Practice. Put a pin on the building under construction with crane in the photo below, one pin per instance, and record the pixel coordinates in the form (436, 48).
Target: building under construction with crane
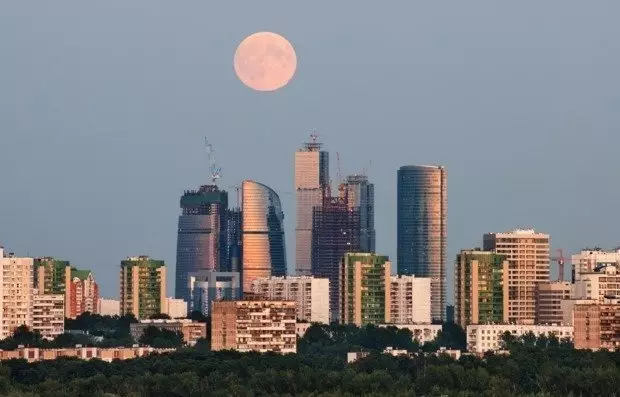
(208, 233)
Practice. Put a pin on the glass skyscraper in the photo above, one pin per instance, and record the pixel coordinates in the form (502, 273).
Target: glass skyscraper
(361, 195)
(201, 242)
(311, 178)
(422, 229)
(263, 242)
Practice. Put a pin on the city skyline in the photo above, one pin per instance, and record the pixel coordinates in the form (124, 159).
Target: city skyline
(518, 118)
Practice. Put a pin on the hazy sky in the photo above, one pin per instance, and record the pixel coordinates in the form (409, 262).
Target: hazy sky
(104, 106)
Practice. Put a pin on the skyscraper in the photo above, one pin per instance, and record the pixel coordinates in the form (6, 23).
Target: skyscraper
(361, 194)
(335, 231)
(264, 251)
(200, 245)
(422, 230)
(527, 253)
(311, 177)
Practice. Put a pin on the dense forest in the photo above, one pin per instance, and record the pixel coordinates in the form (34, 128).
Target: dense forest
(535, 367)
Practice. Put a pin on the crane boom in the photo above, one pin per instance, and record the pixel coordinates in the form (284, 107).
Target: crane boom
(214, 170)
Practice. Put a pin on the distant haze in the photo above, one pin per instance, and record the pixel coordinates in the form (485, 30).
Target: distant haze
(104, 106)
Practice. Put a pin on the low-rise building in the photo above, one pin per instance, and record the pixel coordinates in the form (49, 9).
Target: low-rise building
(597, 325)
(549, 297)
(191, 330)
(254, 325)
(34, 354)
(422, 333)
(488, 337)
(355, 356)
(410, 300)
(310, 293)
(48, 314)
(176, 308)
(108, 307)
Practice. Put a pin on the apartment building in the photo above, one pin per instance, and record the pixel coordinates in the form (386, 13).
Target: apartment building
(191, 330)
(488, 337)
(48, 314)
(597, 324)
(591, 260)
(175, 308)
(602, 284)
(108, 307)
(34, 354)
(527, 253)
(410, 300)
(549, 297)
(142, 286)
(311, 295)
(16, 298)
(254, 325)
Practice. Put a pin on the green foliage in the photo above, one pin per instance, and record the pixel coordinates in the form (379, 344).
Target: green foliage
(161, 338)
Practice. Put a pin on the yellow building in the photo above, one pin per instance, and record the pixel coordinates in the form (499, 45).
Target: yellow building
(142, 286)
(16, 298)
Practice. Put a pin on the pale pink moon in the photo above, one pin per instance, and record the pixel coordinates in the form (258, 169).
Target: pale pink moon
(265, 61)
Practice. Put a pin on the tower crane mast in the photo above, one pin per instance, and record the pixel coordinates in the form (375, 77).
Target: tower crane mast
(214, 170)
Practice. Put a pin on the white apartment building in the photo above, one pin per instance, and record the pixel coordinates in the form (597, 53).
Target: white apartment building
(587, 261)
(599, 285)
(421, 332)
(48, 314)
(410, 300)
(311, 295)
(176, 308)
(108, 307)
(488, 337)
(16, 297)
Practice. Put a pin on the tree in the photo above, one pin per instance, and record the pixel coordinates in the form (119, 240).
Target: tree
(161, 338)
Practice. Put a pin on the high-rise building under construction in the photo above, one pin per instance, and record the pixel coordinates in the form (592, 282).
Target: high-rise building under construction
(361, 195)
(311, 178)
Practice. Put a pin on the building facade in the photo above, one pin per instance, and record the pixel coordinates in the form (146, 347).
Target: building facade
(597, 325)
(175, 308)
(311, 295)
(422, 333)
(254, 325)
(311, 178)
(82, 295)
(16, 297)
(209, 286)
(549, 297)
(335, 231)
(366, 282)
(192, 330)
(480, 288)
(48, 314)
(361, 196)
(422, 229)
(201, 241)
(108, 307)
(142, 287)
(592, 260)
(527, 253)
(488, 337)
(410, 300)
(601, 284)
(264, 252)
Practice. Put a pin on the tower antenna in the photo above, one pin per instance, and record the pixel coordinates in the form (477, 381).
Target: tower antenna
(214, 170)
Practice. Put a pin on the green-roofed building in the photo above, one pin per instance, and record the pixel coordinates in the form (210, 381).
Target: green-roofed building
(142, 286)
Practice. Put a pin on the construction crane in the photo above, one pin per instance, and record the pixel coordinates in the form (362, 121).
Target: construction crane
(339, 173)
(560, 261)
(214, 170)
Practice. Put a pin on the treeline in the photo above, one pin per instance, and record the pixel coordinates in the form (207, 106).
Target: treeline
(535, 367)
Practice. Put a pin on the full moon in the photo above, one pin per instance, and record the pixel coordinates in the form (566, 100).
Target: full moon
(265, 61)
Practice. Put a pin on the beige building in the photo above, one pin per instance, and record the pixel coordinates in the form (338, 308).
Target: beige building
(310, 293)
(191, 330)
(142, 287)
(254, 325)
(422, 333)
(488, 337)
(527, 253)
(34, 354)
(597, 325)
(600, 285)
(549, 297)
(48, 314)
(410, 300)
(365, 292)
(588, 261)
(176, 308)
(16, 297)
(108, 307)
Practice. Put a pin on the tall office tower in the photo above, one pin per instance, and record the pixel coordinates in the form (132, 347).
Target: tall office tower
(335, 231)
(16, 296)
(311, 178)
(310, 293)
(549, 297)
(422, 229)
(366, 282)
(480, 288)
(410, 300)
(199, 244)
(142, 286)
(234, 241)
(361, 194)
(527, 253)
(591, 260)
(264, 251)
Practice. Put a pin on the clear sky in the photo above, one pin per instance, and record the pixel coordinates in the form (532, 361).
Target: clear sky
(104, 106)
